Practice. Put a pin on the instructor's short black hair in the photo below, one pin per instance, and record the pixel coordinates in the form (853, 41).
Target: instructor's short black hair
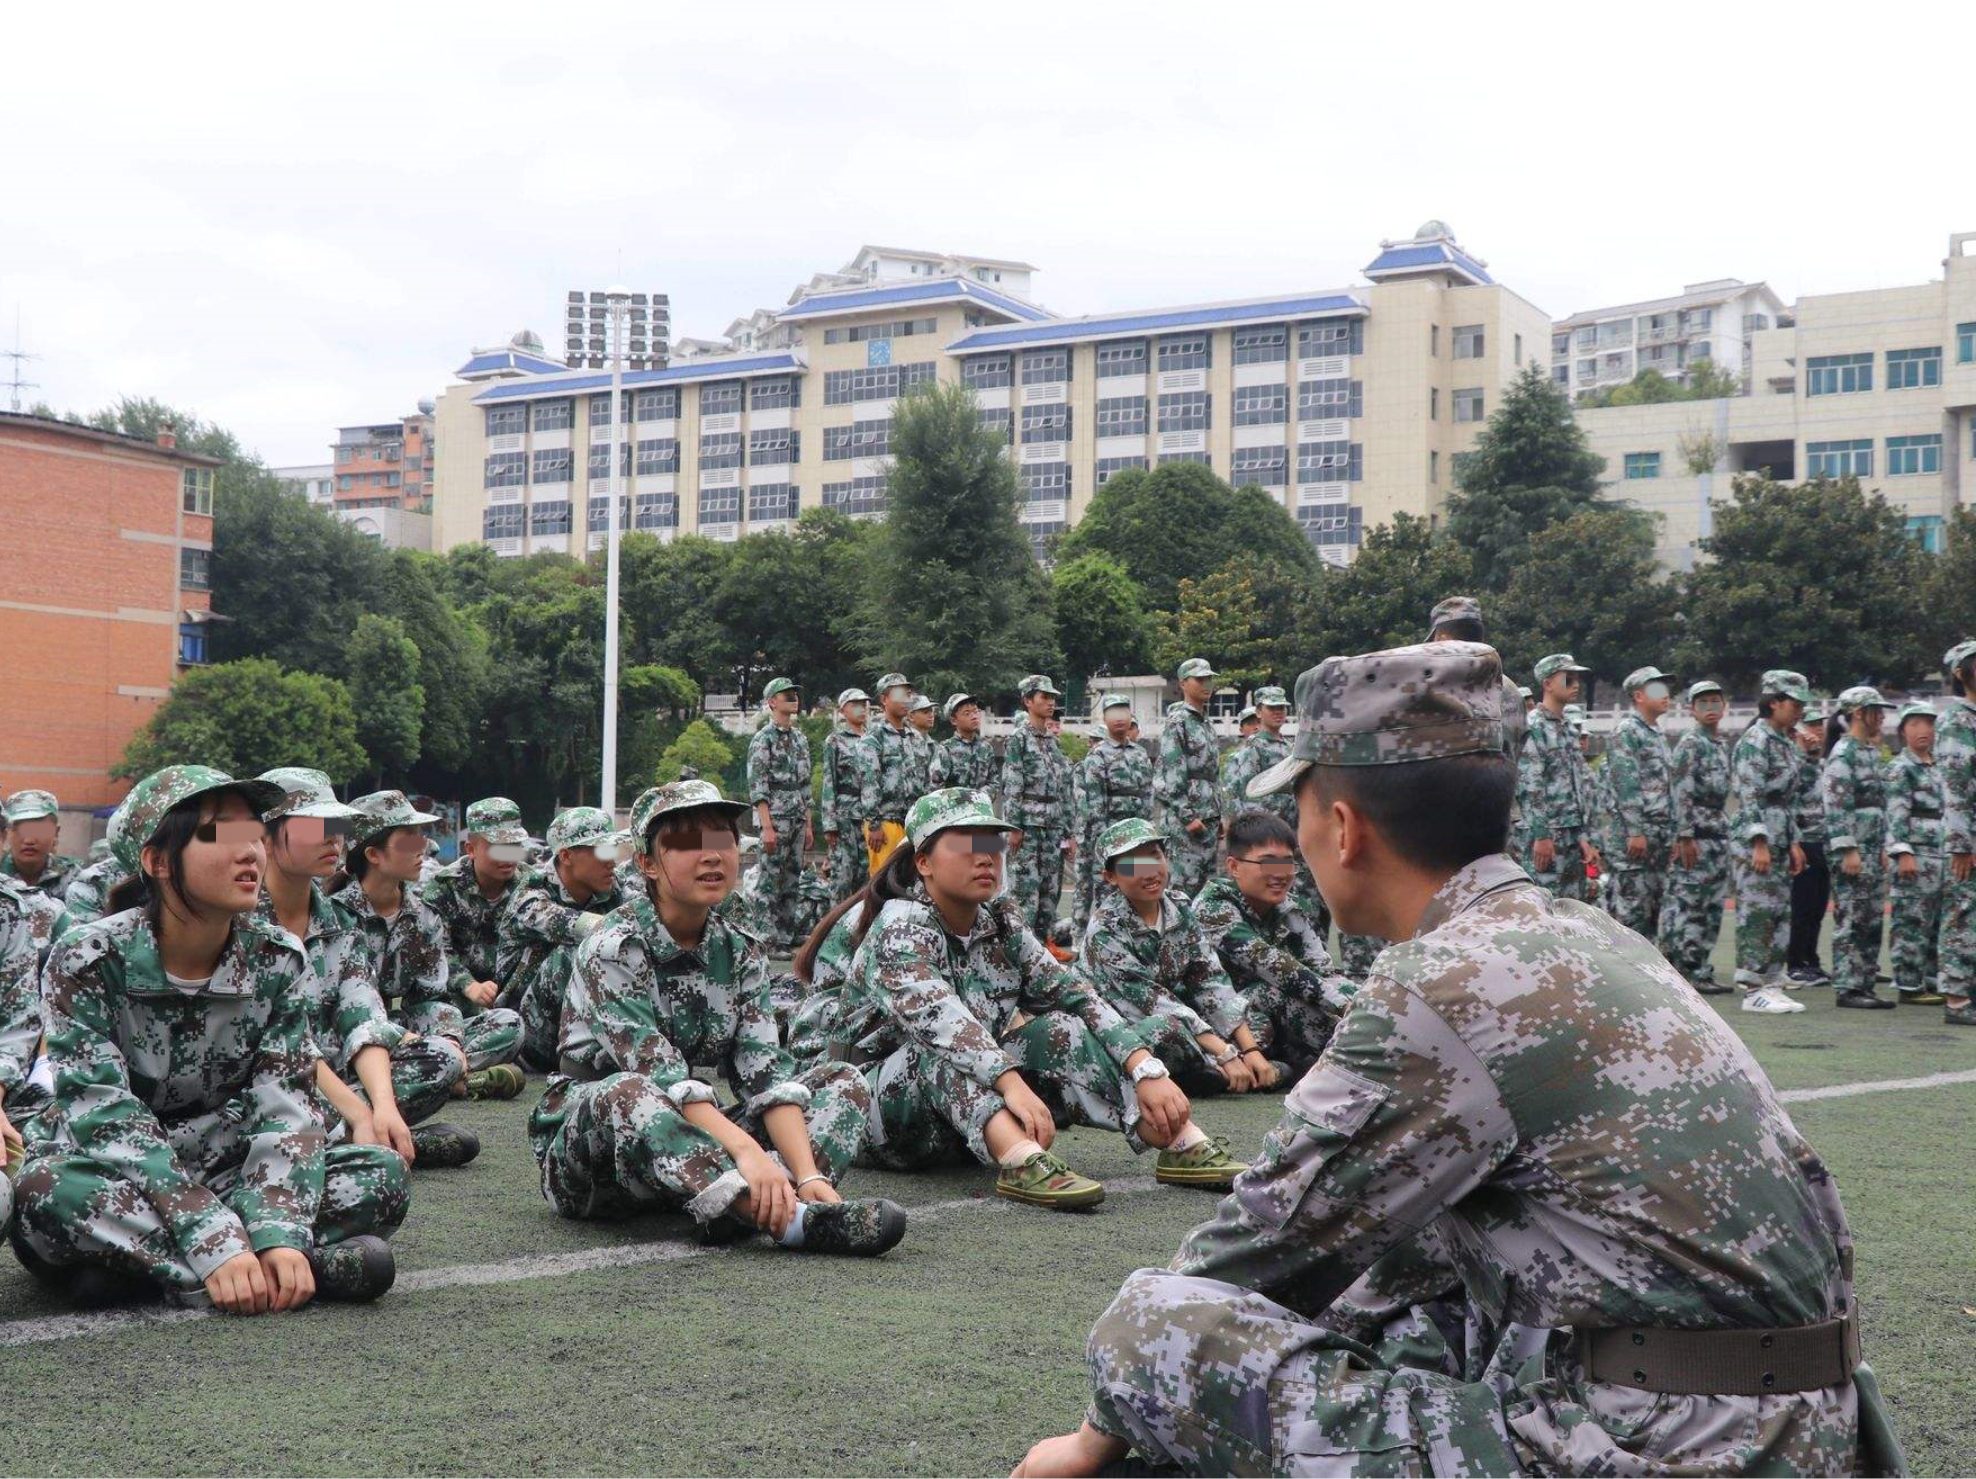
(1433, 813)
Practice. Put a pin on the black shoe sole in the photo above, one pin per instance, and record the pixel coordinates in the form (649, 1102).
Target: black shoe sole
(442, 1159)
(1862, 1001)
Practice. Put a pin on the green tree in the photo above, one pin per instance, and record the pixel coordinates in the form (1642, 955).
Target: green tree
(545, 696)
(658, 690)
(246, 717)
(1949, 603)
(1383, 597)
(1530, 469)
(452, 660)
(954, 597)
(1588, 586)
(384, 686)
(1817, 576)
(1179, 521)
(699, 745)
(783, 601)
(1703, 381)
(143, 417)
(1219, 617)
(1102, 625)
(667, 594)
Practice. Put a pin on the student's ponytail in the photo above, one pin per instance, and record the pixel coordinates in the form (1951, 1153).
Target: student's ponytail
(895, 879)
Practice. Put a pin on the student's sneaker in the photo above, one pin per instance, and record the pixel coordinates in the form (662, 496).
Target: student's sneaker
(1922, 998)
(1766, 1001)
(1709, 986)
(1807, 975)
(1962, 1016)
(862, 1229)
(1207, 1164)
(502, 1081)
(1864, 1000)
(438, 1144)
(88, 1286)
(1045, 1181)
(1751, 981)
(354, 1271)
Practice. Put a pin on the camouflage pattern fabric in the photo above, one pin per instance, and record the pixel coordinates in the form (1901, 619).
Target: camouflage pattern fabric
(414, 977)
(1168, 969)
(1356, 953)
(1249, 760)
(1691, 917)
(933, 1021)
(919, 764)
(183, 1130)
(1766, 778)
(47, 917)
(1639, 776)
(849, 778)
(779, 775)
(1656, 1182)
(1955, 760)
(815, 1017)
(1039, 796)
(1853, 790)
(1278, 962)
(20, 991)
(472, 923)
(887, 780)
(1114, 782)
(969, 763)
(88, 893)
(1187, 785)
(56, 874)
(641, 1011)
(1914, 828)
(540, 931)
(1555, 794)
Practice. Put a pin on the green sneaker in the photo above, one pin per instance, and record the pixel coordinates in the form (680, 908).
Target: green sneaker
(502, 1081)
(438, 1144)
(1962, 1016)
(354, 1271)
(1045, 1181)
(1207, 1164)
(862, 1229)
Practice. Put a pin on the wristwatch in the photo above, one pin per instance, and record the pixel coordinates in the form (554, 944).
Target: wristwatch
(1151, 1068)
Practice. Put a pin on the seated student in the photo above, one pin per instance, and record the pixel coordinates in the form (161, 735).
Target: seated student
(470, 894)
(819, 970)
(1272, 950)
(666, 983)
(1658, 1268)
(1148, 958)
(33, 820)
(963, 1023)
(181, 1150)
(379, 1080)
(408, 944)
(20, 1029)
(547, 919)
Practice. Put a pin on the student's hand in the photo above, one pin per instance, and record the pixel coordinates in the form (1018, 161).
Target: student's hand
(1543, 852)
(1265, 1071)
(1028, 1111)
(818, 1191)
(1241, 1078)
(829, 841)
(1196, 827)
(1849, 864)
(1636, 848)
(1908, 867)
(239, 1286)
(1070, 849)
(1163, 1109)
(388, 1128)
(1798, 863)
(291, 1282)
(11, 1143)
(769, 834)
(1590, 854)
(771, 1199)
(1015, 841)
(1760, 857)
(809, 837)
(1961, 865)
(482, 993)
(875, 835)
(1083, 1452)
(1687, 852)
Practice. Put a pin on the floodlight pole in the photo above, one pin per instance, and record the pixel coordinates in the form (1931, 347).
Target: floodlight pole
(618, 298)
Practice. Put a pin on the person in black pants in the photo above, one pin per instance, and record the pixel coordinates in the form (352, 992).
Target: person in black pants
(1811, 890)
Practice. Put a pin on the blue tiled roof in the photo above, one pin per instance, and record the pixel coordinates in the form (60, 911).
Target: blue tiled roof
(508, 359)
(701, 369)
(1429, 254)
(927, 290)
(1061, 330)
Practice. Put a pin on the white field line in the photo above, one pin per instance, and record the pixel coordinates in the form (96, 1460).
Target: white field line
(1879, 1086)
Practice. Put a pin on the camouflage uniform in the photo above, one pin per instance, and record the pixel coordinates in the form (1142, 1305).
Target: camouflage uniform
(970, 763)
(88, 895)
(1586, 1141)
(919, 763)
(472, 924)
(183, 1130)
(1165, 979)
(1955, 762)
(779, 774)
(1914, 827)
(1853, 789)
(1638, 775)
(849, 779)
(1691, 919)
(56, 874)
(609, 1135)
(20, 1016)
(540, 932)
(932, 1021)
(1188, 785)
(888, 780)
(1554, 788)
(1356, 953)
(1038, 795)
(815, 1016)
(1115, 781)
(1278, 961)
(1766, 770)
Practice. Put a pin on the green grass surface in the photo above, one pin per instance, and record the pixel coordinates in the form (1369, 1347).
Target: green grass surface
(947, 1356)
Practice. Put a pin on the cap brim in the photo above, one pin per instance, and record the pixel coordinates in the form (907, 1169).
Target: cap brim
(735, 809)
(971, 824)
(327, 809)
(1280, 777)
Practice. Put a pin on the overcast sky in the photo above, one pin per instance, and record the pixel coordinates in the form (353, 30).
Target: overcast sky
(290, 220)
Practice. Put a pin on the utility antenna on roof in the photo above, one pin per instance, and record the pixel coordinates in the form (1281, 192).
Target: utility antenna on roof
(19, 358)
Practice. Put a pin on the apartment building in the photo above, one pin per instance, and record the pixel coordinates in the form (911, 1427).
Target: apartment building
(1879, 384)
(386, 465)
(110, 606)
(315, 482)
(1713, 321)
(1349, 404)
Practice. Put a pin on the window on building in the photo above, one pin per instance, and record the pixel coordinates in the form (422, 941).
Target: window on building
(1106, 466)
(897, 329)
(1329, 462)
(859, 497)
(1330, 336)
(720, 449)
(1434, 340)
(722, 399)
(657, 456)
(1122, 416)
(599, 467)
(1332, 523)
(549, 517)
(1433, 403)
(1468, 341)
(997, 419)
(1913, 369)
(861, 439)
(720, 506)
(985, 371)
(1698, 320)
(1127, 357)
(655, 511)
(1185, 410)
(1926, 531)
(770, 503)
(1965, 344)
(1468, 406)
(1045, 482)
(554, 415)
(598, 520)
(195, 486)
(1046, 423)
(600, 409)
(1184, 352)
(1517, 340)
(1853, 459)
(191, 643)
(656, 405)
(502, 521)
(1433, 467)
(1045, 366)
(1263, 467)
(1642, 465)
(1560, 344)
(1838, 374)
(1914, 455)
(506, 421)
(776, 393)
(774, 445)
(1042, 535)
(1261, 405)
(1328, 400)
(195, 569)
(1200, 458)
(1269, 345)
(552, 465)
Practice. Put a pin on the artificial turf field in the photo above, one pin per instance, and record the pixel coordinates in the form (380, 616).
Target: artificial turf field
(516, 1342)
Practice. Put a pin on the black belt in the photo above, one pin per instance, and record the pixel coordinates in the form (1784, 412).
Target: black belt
(1724, 1363)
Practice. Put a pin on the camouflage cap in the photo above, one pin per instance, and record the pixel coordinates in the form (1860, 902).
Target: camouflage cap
(580, 826)
(1861, 696)
(853, 696)
(920, 702)
(1558, 662)
(27, 806)
(1121, 837)
(1453, 608)
(660, 801)
(1037, 683)
(99, 849)
(1271, 697)
(1524, 691)
(955, 702)
(497, 819)
(956, 806)
(1245, 713)
(1641, 677)
(380, 812)
(1959, 654)
(1915, 710)
(151, 798)
(1787, 684)
(1707, 685)
(1574, 718)
(780, 685)
(893, 680)
(1113, 701)
(1198, 667)
(1425, 702)
(305, 793)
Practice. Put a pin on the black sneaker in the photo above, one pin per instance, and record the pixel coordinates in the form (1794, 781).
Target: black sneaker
(438, 1144)
(1865, 1001)
(862, 1229)
(354, 1271)
(88, 1286)
(1808, 975)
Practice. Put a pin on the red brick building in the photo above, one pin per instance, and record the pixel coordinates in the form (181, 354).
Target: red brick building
(385, 466)
(107, 542)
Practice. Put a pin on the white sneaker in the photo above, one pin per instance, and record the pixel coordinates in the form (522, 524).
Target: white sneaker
(1765, 1000)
